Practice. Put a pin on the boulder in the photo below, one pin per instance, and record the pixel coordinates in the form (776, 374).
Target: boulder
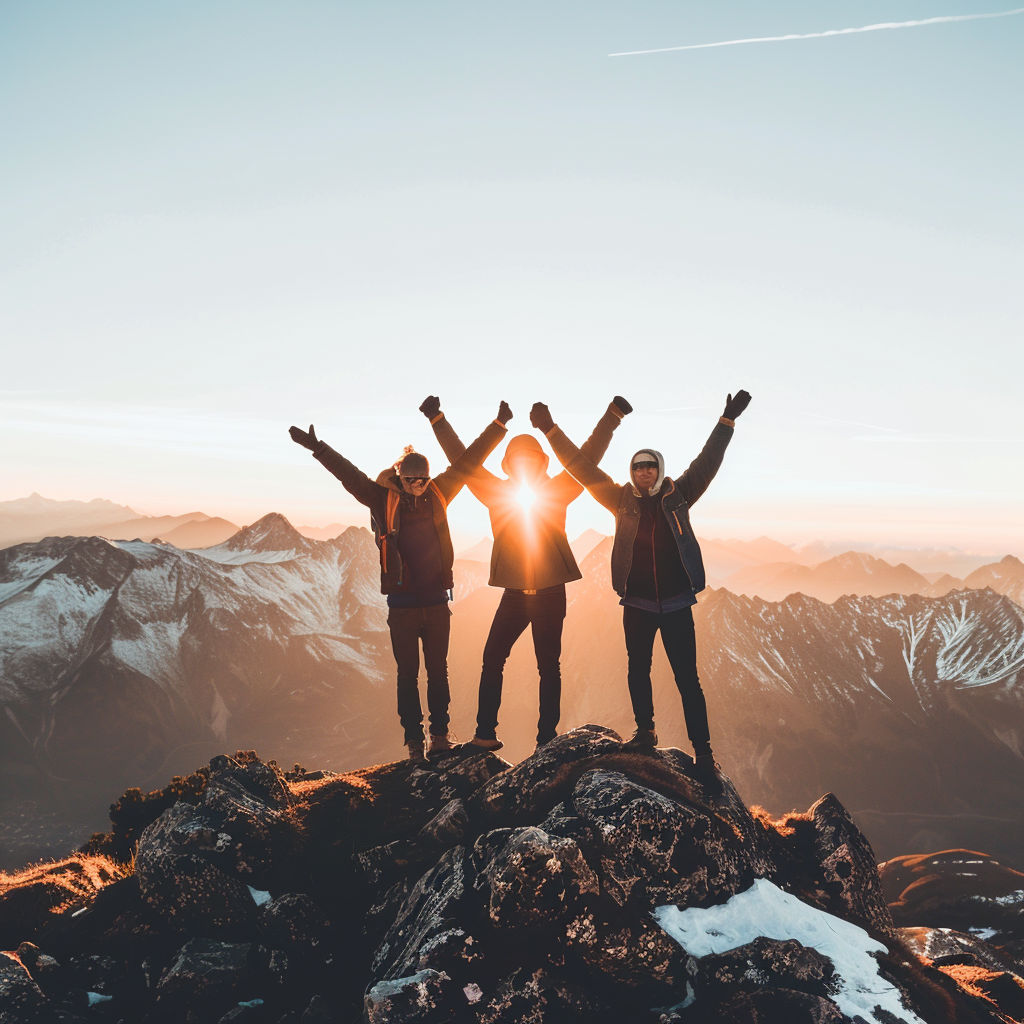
(205, 972)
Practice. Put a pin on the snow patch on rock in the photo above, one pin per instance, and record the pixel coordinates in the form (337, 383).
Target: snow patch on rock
(766, 910)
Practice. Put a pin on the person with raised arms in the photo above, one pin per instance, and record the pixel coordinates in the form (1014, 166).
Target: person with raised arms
(657, 569)
(531, 560)
(409, 512)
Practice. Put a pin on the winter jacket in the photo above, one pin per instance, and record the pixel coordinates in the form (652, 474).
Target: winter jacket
(442, 490)
(623, 500)
(531, 550)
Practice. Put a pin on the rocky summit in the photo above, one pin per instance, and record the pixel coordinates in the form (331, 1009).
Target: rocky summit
(587, 883)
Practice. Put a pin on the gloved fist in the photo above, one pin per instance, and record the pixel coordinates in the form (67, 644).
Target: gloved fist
(622, 405)
(299, 436)
(431, 406)
(734, 406)
(540, 417)
(504, 413)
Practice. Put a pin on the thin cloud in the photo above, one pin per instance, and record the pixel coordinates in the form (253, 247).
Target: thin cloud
(829, 32)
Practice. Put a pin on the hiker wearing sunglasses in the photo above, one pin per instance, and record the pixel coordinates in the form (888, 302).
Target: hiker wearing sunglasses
(531, 560)
(410, 525)
(657, 569)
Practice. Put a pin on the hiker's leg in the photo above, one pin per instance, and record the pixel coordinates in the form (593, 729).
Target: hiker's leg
(640, 628)
(547, 616)
(511, 618)
(681, 647)
(437, 628)
(404, 624)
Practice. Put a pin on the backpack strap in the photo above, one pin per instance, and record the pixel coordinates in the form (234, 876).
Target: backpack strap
(389, 526)
(440, 496)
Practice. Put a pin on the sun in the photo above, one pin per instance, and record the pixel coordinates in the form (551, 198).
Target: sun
(526, 498)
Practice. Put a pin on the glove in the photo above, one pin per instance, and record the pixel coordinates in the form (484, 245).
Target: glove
(734, 406)
(622, 405)
(504, 413)
(431, 406)
(310, 440)
(540, 417)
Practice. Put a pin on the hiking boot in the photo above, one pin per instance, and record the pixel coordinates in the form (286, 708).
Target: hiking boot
(416, 751)
(493, 743)
(439, 743)
(642, 739)
(708, 773)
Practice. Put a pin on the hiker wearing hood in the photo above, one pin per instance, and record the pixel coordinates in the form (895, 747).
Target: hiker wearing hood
(531, 560)
(657, 569)
(410, 525)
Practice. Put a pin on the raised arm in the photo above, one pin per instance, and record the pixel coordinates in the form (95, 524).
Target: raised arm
(469, 462)
(482, 483)
(594, 447)
(354, 480)
(695, 481)
(575, 461)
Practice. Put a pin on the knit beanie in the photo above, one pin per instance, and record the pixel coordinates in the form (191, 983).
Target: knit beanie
(413, 464)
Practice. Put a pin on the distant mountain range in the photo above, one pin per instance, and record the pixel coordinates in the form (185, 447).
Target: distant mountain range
(35, 517)
(123, 661)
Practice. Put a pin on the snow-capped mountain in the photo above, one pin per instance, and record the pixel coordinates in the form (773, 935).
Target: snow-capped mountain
(124, 660)
(119, 660)
(911, 709)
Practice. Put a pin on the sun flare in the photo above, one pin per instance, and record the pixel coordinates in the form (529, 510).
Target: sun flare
(526, 498)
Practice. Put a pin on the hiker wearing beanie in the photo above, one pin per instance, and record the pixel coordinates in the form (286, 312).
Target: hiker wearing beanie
(657, 569)
(410, 525)
(531, 559)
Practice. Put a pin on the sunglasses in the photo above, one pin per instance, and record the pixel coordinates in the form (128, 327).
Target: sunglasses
(416, 479)
(645, 465)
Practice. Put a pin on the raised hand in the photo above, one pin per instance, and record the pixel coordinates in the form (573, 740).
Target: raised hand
(540, 417)
(299, 436)
(734, 406)
(622, 405)
(504, 413)
(431, 406)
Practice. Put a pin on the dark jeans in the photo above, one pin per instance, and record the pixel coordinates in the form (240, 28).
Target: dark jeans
(408, 627)
(545, 612)
(680, 643)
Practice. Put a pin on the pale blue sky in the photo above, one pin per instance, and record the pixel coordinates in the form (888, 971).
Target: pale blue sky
(219, 219)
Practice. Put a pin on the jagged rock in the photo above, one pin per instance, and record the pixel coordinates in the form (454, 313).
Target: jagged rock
(628, 950)
(205, 971)
(427, 921)
(535, 881)
(178, 882)
(524, 794)
(19, 994)
(767, 1006)
(447, 828)
(463, 889)
(535, 996)
(317, 1012)
(848, 866)
(293, 923)
(765, 963)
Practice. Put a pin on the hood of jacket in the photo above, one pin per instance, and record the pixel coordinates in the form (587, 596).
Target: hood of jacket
(656, 456)
(525, 444)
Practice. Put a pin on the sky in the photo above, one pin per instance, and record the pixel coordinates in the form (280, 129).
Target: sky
(217, 220)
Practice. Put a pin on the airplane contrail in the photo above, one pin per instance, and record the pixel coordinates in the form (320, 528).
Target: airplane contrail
(829, 32)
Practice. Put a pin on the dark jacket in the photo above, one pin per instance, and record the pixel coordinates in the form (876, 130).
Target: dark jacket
(623, 500)
(375, 497)
(531, 551)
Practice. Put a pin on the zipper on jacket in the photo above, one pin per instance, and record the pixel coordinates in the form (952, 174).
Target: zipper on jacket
(654, 557)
